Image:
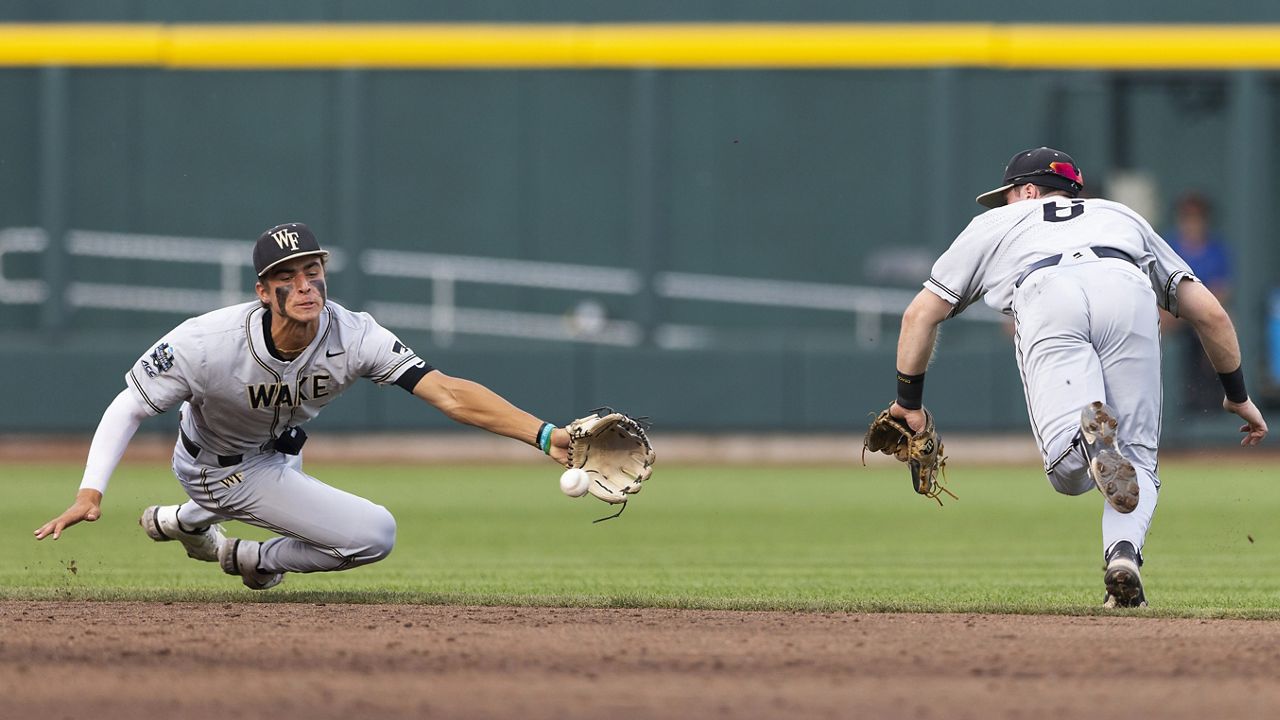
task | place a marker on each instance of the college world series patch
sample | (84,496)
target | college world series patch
(161,359)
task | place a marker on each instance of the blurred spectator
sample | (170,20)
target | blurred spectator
(1207,254)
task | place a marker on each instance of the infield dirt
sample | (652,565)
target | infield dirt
(135,660)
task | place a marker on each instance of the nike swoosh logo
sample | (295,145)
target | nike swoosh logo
(334,354)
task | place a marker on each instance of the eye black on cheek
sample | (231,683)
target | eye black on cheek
(320,288)
(282,296)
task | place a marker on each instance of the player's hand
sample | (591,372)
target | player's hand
(914,418)
(559,450)
(87,507)
(1255,428)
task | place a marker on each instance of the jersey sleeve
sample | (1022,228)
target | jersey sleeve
(385,360)
(166,373)
(957,275)
(1167,268)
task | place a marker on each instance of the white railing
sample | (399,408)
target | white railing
(15,241)
(866,304)
(586,322)
(230,256)
(444,318)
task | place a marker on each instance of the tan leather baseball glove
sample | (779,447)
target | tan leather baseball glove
(922,451)
(614,449)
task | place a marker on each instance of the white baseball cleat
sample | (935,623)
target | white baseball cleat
(1123,581)
(1111,472)
(240,557)
(161,524)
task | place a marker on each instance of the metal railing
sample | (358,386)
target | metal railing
(444,318)
(585,322)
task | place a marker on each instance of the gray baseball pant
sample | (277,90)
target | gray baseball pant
(1089,331)
(322,528)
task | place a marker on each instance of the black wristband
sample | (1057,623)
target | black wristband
(910,391)
(1233,384)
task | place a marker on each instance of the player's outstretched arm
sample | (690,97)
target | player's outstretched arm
(471,403)
(1218,337)
(115,430)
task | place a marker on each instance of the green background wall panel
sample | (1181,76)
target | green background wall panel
(18,154)
(834,177)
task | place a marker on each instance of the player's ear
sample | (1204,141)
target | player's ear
(262,293)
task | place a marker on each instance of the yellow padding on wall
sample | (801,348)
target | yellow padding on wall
(689,46)
(97,44)
(1141,47)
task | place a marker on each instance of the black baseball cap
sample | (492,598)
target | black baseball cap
(284,242)
(1038,166)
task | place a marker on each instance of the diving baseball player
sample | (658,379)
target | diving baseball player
(246,378)
(1082,279)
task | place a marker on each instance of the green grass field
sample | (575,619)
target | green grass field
(828,538)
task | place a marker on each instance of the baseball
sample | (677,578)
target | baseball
(574,482)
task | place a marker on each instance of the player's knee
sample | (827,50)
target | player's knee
(377,537)
(384,535)
(1070,483)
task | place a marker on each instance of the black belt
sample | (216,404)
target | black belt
(194,450)
(1102,252)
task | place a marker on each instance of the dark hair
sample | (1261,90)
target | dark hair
(1194,201)
(1045,190)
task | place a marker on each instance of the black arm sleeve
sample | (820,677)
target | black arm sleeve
(409,378)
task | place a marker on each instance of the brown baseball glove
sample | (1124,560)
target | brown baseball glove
(922,451)
(614,449)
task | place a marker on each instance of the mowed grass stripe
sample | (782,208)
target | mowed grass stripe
(829,538)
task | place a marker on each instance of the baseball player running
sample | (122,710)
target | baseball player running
(246,379)
(1082,279)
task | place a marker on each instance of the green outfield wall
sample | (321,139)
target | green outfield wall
(722,249)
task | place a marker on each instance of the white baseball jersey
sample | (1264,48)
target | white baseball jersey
(237,395)
(987,258)
(1087,327)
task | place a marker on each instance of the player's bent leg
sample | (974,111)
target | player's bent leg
(1110,470)
(322,528)
(1070,475)
(1061,372)
(1090,457)
(1068,469)
(192,515)
(367,537)
(201,539)
(242,557)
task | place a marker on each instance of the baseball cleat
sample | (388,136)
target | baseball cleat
(1111,472)
(1123,581)
(240,557)
(161,524)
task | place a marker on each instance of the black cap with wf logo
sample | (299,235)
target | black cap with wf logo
(284,242)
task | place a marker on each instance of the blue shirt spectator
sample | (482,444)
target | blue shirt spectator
(1207,254)
(1204,250)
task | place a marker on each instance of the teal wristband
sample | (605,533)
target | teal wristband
(544,437)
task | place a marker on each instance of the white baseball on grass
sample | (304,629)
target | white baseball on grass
(574,482)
